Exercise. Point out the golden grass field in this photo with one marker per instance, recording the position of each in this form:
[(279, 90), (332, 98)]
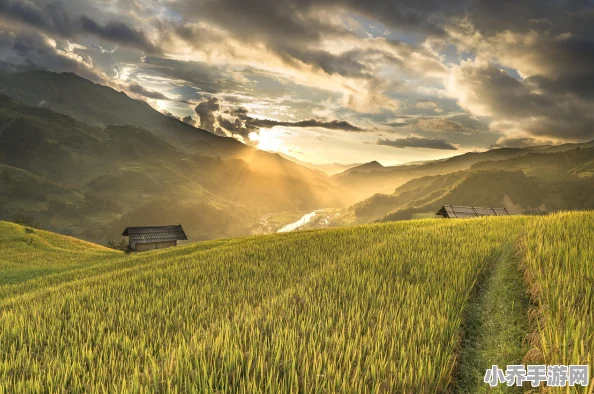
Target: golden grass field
[(379, 308)]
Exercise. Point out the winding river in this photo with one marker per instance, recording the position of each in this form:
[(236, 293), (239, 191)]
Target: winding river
[(301, 222)]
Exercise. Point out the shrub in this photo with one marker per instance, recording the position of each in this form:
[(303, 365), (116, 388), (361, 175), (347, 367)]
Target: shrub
[(122, 245)]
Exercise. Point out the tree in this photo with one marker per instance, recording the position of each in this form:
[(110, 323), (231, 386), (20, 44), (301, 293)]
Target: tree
[(122, 245), (27, 221)]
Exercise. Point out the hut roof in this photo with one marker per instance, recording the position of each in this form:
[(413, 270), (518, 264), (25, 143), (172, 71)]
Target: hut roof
[(459, 211), (148, 234)]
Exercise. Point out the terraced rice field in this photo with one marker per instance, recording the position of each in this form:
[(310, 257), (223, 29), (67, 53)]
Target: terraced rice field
[(420, 306)]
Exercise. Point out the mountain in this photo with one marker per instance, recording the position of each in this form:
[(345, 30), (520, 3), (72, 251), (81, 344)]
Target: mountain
[(89, 181), (101, 106), (364, 168), (541, 180), (364, 184), (328, 169), (87, 160)]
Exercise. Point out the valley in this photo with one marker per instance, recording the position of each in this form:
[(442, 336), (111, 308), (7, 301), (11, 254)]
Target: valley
[(86, 172)]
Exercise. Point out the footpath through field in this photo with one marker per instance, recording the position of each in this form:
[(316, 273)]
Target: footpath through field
[(495, 326)]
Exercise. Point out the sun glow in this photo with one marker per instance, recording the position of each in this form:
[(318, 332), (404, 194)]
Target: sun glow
[(270, 140)]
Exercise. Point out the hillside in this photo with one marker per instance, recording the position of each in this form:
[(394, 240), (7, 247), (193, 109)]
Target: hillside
[(91, 182), (530, 183), (385, 180), (101, 106), (308, 311)]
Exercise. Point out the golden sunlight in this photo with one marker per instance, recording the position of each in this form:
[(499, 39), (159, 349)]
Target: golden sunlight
[(269, 140)]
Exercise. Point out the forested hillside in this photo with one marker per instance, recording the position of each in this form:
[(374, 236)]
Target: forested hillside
[(534, 182), (92, 182)]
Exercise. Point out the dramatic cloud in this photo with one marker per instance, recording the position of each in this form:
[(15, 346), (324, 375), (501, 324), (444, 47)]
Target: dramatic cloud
[(521, 108), (53, 17), (332, 125), (441, 124), (497, 73), (520, 142), (167, 113), (118, 32), (189, 120), (24, 49), (205, 110), (236, 127), (136, 88), (416, 142), (48, 16)]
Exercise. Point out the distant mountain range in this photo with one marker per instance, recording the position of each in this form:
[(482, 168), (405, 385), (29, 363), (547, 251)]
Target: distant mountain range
[(88, 161), (532, 180), (364, 168), (373, 178)]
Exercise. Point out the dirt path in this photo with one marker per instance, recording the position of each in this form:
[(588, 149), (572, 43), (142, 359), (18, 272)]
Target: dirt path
[(496, 325)]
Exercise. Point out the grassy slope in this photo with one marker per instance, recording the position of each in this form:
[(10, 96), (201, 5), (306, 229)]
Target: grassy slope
[(354, 309), (27, 254)]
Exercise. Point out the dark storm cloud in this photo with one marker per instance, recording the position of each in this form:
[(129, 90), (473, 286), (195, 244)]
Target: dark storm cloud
[(332, 125), (189, 120), (48, 16), (532, 78), (540, 15), (253, 124), (236, 127), (568, 66), (294, 31), (352, 63), (138, 89), (52, 17), (302, 21), (262, 20), (205, 110), (416, 142), (118, 32), (27, 49), (525, 105)]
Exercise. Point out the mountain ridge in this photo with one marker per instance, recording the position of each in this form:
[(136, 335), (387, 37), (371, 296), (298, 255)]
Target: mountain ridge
[(128, 172)]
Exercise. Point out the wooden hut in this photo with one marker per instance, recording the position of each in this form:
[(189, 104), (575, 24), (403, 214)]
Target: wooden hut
[(154, 237), (459, 211)]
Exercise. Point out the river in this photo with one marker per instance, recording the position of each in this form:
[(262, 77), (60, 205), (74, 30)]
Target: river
[(301, 222)]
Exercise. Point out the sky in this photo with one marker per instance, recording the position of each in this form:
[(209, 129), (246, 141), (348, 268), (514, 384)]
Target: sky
[(328, 81)]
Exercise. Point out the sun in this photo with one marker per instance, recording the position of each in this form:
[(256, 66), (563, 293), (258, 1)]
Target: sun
[(269, 140)]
